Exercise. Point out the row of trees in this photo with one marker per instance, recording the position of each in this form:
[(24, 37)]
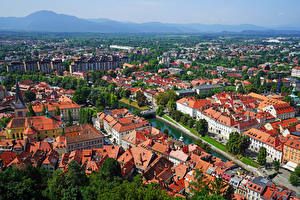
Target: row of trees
[(34, 183), (200, 125)]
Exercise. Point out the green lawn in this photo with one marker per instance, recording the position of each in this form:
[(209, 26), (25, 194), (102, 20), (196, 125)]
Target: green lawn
[(250, 162), (133, 104), (214, 143), (167, 118)]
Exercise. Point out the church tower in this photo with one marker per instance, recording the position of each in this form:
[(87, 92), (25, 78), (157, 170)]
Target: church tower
[(20, 107)]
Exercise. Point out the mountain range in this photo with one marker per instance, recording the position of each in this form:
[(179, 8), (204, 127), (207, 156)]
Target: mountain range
[(49, 21)]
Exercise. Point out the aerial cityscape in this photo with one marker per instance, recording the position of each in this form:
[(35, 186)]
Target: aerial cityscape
[(99, 103)]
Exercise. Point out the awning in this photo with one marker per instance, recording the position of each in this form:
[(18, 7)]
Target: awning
[(290, 166)]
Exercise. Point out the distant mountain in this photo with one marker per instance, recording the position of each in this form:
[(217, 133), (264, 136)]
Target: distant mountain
[(48, 21)]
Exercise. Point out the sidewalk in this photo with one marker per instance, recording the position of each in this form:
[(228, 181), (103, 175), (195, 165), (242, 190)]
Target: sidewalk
[(176, 125)]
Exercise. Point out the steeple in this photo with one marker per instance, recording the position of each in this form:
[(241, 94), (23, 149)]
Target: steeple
[(19, 102), (20, 107)]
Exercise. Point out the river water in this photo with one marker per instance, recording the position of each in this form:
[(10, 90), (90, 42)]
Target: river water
[(172, 131)]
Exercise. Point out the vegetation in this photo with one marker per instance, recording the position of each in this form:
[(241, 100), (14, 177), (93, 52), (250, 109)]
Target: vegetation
[(86, 115), (4, 121), (204, 188), (29, 96), (262, 156), (160, 110), (276, 165), (237, 143), (69, 119), (57, 111), (295, 176), (133, 104), (164, 98), (141, 99), (214, 143), (202, 127), (81, 95), (250, 162), (30, 112), (34, 183)]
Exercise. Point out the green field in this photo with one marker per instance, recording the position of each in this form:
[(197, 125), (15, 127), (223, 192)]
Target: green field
[(250, 162), (214, 143), (133, 104)]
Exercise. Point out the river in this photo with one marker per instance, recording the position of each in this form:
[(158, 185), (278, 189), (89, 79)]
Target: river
[(173, 131)]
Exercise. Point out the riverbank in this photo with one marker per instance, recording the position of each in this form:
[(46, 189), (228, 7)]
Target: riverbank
[(214, 148)]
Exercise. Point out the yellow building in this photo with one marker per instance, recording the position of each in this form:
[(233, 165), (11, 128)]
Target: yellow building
[(34, 128), (291, 151)]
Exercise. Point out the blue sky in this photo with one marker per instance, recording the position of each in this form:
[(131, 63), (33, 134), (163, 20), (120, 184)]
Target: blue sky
[(259, 12)]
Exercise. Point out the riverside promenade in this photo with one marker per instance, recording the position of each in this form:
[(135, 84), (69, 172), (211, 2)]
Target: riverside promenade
[(251, 169)]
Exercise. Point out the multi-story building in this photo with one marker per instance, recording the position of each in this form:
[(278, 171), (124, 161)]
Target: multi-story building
[(64, 107), (256, 188), (120, 122), (31, 66), (260, 139), (223, 124), (44, 66), (281, 111), (296, 72), (56, 65), (96, 63), (189, 105), (3, 92), (34, 128), (83, 137), (291, 151), (15, 66)]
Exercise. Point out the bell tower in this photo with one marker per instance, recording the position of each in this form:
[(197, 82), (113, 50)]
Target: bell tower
[(20, 107)]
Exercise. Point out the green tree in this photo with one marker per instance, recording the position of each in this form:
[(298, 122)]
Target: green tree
[(30, 112), (202, 127), (276, 165), (295, 176), (111, 168), (171, 105), (237, 143), (141, 99), (29, 96), (23, 184), (57, 111), (56, 185), (202, 188), (4, 122), (81, 95), (69, 119), (160, 110), (289, 100), (262, 156)]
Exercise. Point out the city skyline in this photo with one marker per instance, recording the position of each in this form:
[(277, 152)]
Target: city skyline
[(264, 13)]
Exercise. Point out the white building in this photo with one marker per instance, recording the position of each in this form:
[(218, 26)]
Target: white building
[(281, 111), (260, 139), (296, 72), (190, 105)]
